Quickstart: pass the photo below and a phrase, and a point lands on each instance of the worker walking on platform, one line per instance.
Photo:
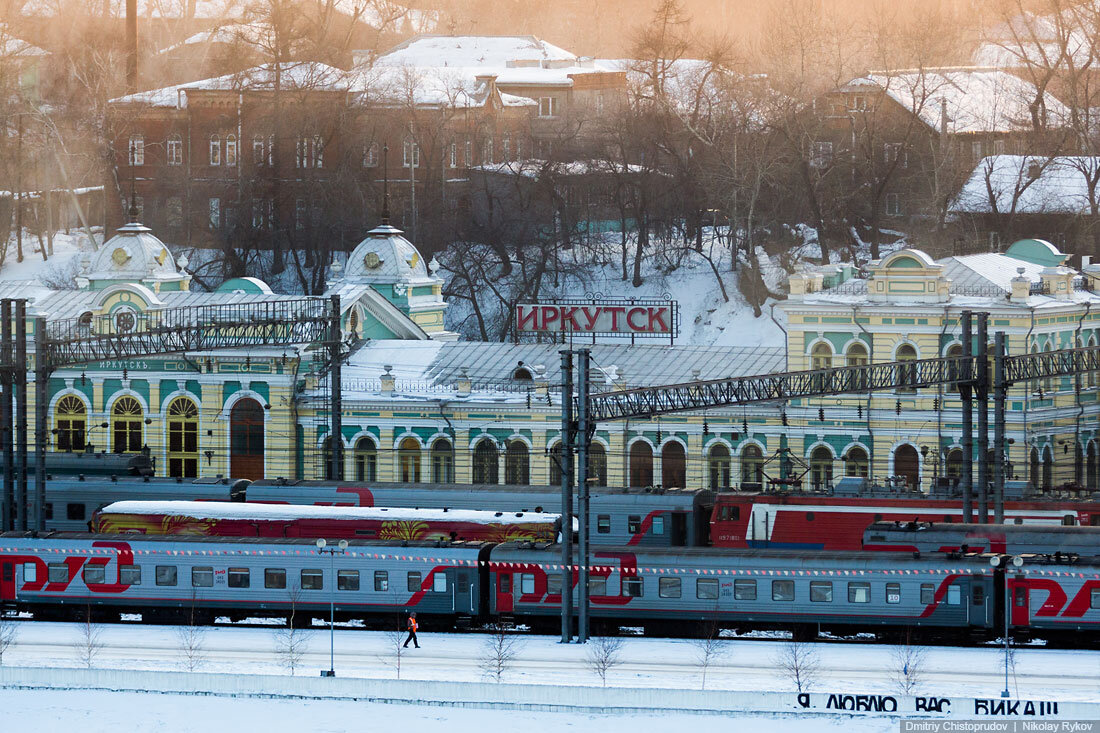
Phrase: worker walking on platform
(412, 625)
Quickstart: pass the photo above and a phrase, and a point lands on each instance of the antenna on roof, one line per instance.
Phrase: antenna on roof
(386, 184)
(134, 213)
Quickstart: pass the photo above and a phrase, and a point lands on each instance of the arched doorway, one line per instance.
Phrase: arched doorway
(246, 440)
(485, 463)
(752, 466)
(555, 465)
(955, 464)
(855, 462)
(72, 423)
(718, 461)
(366, 460)
(821, 468)
(1091, 465)
(673, 465)
(907, 464)
(1048, 469)
(597, 464)
(517, 464)
(408, 461)
(443, 462)
(907, 373)
(1034, 477)
(183, 438)
(126, 426)
(641, 464)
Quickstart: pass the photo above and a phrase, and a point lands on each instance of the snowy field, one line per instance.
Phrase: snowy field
(743, 664)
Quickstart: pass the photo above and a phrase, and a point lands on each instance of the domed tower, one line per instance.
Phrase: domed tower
(134, 255)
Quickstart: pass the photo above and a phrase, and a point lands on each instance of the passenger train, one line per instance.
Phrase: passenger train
(663, 590)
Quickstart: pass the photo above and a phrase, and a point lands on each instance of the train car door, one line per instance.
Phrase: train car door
(462, 592)
(504, 592)
(1021, 607)
(758, 525)
(679, 529)
(7, 580)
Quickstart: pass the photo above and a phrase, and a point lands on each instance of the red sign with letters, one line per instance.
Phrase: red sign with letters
(608, 318)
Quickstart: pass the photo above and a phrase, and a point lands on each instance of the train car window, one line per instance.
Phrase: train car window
(1069, 520)
(597, 586)
(439, 582)
(274, 578)
(48, 507)
(238, 578)
(634, 524)
(729, 513)
(347, 580)
(859, 593)
(413, 582)
(553, 584)
(782, 590)
(129, 574)
(927, 593)
(526, 583)
(313, 579)
(381, 580)
(58, 572)
(632, 587)
(74, 512)
(202, 577)
(505, 583)
(809, 516)
(821, 591)
(706, 588)
(668, 588)
(94, 574)
(30, 572)
(977, 593)
(744, 590)
(1094, 598)
(954, 595)
(658, 526)
(9, 574)
(603, 523)
(166, 574)
(893, 592)
(1019, 597)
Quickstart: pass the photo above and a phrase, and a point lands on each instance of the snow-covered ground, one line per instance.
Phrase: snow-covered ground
(58, 268)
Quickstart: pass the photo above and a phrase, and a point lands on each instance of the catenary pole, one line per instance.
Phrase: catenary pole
(582, 492)
(20, 371)
(566, 496)
(966, 392)
(999, 457)
(983, 417)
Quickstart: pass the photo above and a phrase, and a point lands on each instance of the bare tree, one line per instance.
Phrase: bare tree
(394, 649)
(908, 662)
(291, 641)
(799, 662)
(191, 639)
(8, 631)
(708, 649)
(89, 643)
(499, 650)
(604, 654)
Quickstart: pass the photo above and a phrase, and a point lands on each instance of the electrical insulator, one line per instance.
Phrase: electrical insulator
(745, 426)
(859, 411)
(821, 414)
(935, 403)
(706, 428)
(897, 407)
(124, 374)
(783, 416)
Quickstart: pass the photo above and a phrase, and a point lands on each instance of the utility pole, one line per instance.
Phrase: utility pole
(1000, 390)
(336, 428)
(19, 191)
(340, 548)
(41, 397)
(21, 413)
(983, 417)
(6, 433)
(966, 392)
(567, 428)
(582, 437)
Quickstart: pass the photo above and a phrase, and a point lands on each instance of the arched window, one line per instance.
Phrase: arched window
(175, 150)
(443, 462)
(555, 465)
(1091, 465)
(183, 438)
(856, 463)
(597, 464)
(1048, 383)
(752, 466)
(953, 351)
(821, 468)
(485, 463)
(1048, 469)
(127, 420)
(718, 463)
(955, 463)
(522, 374)
(215, 150)
(1091, 375)
(72, 423)
(673, 465)
(641, 464)
(517, 464)
(246, 440)
(907, 465)
(856, 355)
(821, 356)
(907, 374)
(326, 459)
(231, 149)
(366, 460)
(1034, 477)
(408, 461)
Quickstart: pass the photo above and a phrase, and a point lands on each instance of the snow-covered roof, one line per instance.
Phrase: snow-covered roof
(976, 100)
(16, 48)
(472, 51)
(248, 511)
(297, 75)
(149, 9)
(1030, 185)
(535, 168)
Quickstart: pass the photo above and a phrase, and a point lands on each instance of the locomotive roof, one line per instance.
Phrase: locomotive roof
(197, 539)
(276, 512)
(482, 488)
(974, 528)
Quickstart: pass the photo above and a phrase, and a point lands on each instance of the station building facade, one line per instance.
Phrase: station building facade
(418, 405)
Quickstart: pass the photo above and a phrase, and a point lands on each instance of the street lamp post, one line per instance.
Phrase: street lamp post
(341, 548)
(1017, 562)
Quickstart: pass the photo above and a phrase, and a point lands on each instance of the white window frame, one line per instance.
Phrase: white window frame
(548, 107)
(821, 153)
(370, 155)
(135, 150)
(892, 204)
(174, 150)
(215, 212)
(231, 150)
(215, 150)
(410, 153)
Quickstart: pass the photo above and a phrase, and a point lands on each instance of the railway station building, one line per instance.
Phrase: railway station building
(419, 405)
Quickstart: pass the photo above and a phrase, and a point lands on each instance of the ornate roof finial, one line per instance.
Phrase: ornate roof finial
(385, 184)
(135, 214)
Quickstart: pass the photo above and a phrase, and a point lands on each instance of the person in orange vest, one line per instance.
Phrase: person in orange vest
(412, 626)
